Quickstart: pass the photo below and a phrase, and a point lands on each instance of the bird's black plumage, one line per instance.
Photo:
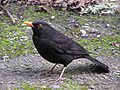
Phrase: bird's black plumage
(54, 46)
(58, 48)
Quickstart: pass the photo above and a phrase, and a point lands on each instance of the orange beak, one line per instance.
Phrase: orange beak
(29, 23)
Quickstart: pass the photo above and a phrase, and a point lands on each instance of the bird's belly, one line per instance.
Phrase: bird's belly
(51, 56)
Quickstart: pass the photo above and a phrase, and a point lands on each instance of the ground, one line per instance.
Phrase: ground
(22, 68)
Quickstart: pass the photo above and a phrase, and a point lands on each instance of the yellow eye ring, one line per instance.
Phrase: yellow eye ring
(39, 26)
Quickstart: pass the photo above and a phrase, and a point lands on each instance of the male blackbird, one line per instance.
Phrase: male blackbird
(58, 48)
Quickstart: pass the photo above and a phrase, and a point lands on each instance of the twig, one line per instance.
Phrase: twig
(9, 14)
(7, 3)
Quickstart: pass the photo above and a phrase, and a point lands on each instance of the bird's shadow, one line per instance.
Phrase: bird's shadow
(70, 70)
(81, 69)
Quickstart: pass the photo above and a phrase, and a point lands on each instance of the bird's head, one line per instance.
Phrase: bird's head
(39, 27)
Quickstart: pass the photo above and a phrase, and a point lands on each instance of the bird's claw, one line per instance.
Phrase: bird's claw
(47, 74)
(59, 79)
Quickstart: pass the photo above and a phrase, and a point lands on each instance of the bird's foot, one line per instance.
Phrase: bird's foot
(60, 79)
(38, 73)
(56, 81)
(48, 73)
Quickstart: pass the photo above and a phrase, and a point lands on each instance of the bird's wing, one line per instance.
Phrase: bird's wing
(64, 45)
(69, 46)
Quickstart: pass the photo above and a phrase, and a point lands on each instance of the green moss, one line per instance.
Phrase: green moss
(30, 14)
(102, 44)
(14, 41)
(27, 86)
(71, 85)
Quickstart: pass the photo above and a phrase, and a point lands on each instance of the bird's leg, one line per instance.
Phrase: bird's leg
(49, 72)
(60, 77)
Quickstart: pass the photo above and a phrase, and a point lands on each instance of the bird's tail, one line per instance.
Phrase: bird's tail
(100, 67)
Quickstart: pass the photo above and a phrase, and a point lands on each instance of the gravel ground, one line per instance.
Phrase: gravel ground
(25, 69)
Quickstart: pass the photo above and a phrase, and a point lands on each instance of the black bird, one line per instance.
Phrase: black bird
(58, 48)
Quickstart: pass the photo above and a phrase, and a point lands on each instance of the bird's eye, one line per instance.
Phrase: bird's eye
(39, 26)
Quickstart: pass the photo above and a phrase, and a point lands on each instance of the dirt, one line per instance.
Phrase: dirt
(31, 68)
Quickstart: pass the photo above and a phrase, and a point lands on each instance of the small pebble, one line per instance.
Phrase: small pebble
(1, 82)
(98, 35)
(52, 17)
(108, 25)
(5, 58)
(43, 87)
(76, 36)
(94, 30)
(83, 32)
(1, 12)
(55, 86)
(28, 28)
(92, 87)
(24, 38)
(12, 83)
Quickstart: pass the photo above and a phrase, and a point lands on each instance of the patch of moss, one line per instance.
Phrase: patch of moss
(27, 86)
(13, 41)
(30, 14)
(71, 85)
(102, 45)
